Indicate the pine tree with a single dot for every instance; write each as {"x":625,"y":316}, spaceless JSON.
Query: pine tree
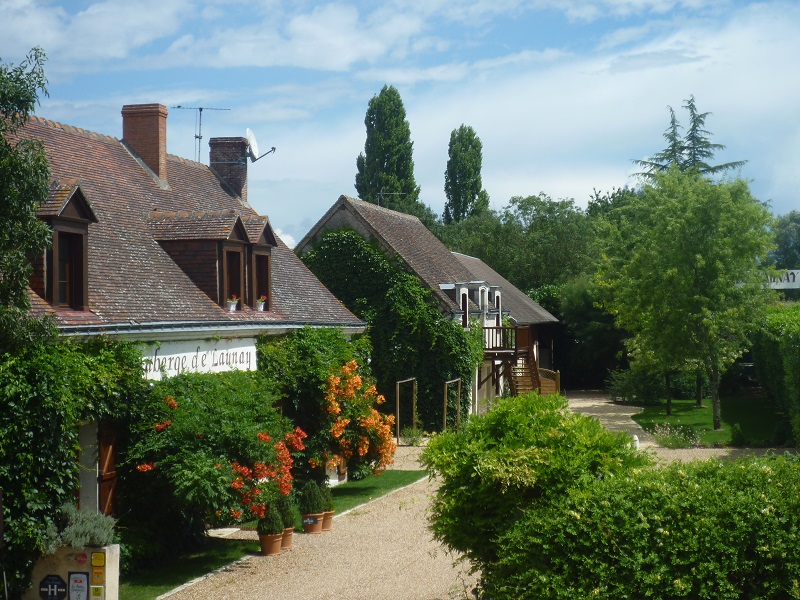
{"x":690,"y":152}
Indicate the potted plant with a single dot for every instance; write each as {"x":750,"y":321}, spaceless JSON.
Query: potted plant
{"x":287,"y":508}
{"x":327,"y":506}
{"x":233,"y":302}
{"x":261,"y":302}
{"x":270,"y":532}
{"x":311,"y":507}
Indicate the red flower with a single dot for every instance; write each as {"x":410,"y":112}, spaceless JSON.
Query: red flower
{"x":145,"y":467}
{"x":170,"y":401}
{"x":264,"y":436}
{"x":163,"y":425}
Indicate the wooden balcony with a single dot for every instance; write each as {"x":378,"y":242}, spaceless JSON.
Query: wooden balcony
{"x":508,"y":342}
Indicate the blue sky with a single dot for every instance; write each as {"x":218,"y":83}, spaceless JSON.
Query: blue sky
{"x":563,"y":93}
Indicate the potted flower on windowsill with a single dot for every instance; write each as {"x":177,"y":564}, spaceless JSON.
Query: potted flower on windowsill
{"x":270,"y":532}
{"x":261,"y":303}
{"x":311,"y":504}
{"x":233,"y":302}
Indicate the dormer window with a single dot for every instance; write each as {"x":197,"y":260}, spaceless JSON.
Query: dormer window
{"x":233,"y":274}
{"x":66,"y":280}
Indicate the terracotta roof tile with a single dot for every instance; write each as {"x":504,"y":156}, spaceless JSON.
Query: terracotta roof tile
{"x":132,"y":279}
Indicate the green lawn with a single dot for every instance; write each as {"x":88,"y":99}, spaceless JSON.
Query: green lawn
{"x":220,"y":552}
{"x":756,"y":418}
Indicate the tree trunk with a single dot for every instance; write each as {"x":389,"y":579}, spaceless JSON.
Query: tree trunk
{"x":715,"y":398}
{"x":698,"y":390}
{"x":668,"y":381}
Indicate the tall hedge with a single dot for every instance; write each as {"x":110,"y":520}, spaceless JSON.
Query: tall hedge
{"x":716,"y":530}
{"x":46,"y":392}
{"x":776,"y":354}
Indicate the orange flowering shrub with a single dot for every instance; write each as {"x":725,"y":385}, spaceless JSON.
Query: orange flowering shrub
{"x":214,"y":456}
{"x":359,"y":434}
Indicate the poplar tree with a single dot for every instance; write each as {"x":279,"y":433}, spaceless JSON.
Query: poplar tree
{"x":24,"y":180}
{"x":462,"y":178}
{"x":385,"y":170}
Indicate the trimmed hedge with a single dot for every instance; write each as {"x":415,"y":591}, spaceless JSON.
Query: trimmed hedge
{"x":716,"y":530}
{"x":518,"y":458}
{"x":776,"y":354}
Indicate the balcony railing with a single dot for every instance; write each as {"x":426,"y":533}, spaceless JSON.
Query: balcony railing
{"x":506,"y":339}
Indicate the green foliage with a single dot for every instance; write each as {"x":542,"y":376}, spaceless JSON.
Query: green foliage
{"x":462,"y":178}
{"x":46,"y":392}
{"x":79,"y":529}
{"x":776,"y":354}
{"x":787,"y":241}
{"x":636,"y":385}
{"x":385,"y":170}
{"x":713,"y":529}
{"x":687,"y":153}
{"x":287,"y":509}
{"x":208,"y":449}
{"x":24,"y":180}
{"x":271,"y":523}
{"x":410,"y":336}
{"x":327,"y":497}
{"x":682,"y":273}
{"x":311,"y":501}
{"x":519,"y":457}
{"x":675,"y":436}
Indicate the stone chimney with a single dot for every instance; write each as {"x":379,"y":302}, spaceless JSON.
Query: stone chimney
{"x":144,"y":130}
{"x":227,"y":157}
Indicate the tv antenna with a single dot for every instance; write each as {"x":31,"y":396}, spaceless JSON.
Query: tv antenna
{"x":252,"y":147}
{"x":198,"y":122}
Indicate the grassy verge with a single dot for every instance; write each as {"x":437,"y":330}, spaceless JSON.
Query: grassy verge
{"x":750,"y":418}
{"x":220,"y":552}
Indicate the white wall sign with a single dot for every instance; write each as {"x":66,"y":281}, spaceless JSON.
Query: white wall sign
{"x":200,"y":356}
{"x":786,"y":280}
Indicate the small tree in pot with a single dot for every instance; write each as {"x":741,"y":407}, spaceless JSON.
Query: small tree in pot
{"x":311,"y":507}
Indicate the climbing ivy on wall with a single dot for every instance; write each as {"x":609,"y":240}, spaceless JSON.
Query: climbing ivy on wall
{"x":46,"y":392}
{"x":410,"y":335}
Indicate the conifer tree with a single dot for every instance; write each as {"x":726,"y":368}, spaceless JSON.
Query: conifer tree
{"x":462,"y":179}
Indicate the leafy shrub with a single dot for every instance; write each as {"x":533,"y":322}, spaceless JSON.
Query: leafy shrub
{"x":637,"y":386}
{"x":412,"y":436}
{"x":212,"y":449}
{"x":79,"y":529}
{"x":519,"y":457}
{"x":46,"y":392}
{"x":776,"y":354}
{"x":271,"y":523}
{"x":707,"y":530}
{"x":311,"y":500}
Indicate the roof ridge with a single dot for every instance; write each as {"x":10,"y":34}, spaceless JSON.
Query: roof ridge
{"x":72,"y":129}
{"x":373,"y":206}
{"x":186,"y":161}
{"x":186,"y":214}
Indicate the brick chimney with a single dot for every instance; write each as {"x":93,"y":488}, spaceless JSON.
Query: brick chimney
{"x":144,"y":130}
{"x":227,"y":157}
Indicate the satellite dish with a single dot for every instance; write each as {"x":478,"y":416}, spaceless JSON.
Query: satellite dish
{"x":252,"y":149}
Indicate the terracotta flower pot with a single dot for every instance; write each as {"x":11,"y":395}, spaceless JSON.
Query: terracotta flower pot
{"x":286,"y":540}
{"x":312,"y":523}
{"x":327,"y":520}
{"x":270,"y":543}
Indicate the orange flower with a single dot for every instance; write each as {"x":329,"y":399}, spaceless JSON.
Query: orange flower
{"x":163,"y":425}
{"x":145,"y":467}
{"x":170,"y":401}
{"x":264,"y":436}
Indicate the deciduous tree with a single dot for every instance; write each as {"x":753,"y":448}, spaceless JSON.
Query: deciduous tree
{"x":462,"y":178}
{"x":682,"y":272}
{"x":24,"y":179}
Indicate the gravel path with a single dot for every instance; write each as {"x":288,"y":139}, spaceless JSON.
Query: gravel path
{"x":383,"y":550}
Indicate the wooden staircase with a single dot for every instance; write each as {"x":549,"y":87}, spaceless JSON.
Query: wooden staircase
{"x":524,"y":378}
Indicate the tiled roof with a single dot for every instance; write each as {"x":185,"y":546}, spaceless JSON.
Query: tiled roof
{"x":521,"y":308}
{"x":133,"y":282}
{"x":403,"y":236}
{"x":213,"y":225}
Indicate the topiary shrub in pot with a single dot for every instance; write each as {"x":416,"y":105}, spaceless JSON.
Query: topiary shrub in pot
{"x":270,"y":532}
{"x":311,"y":507}
{"x":287,"y":508}
{"x":327,"y":506}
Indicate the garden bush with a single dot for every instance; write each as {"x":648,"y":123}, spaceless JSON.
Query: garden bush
{"x":635,"y":385}
{"x":517,"y":458}
{"x":211,"y":450}
{"x":46,"y":392}
{"x":776,"y":354}
{"x":715,"y":530}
